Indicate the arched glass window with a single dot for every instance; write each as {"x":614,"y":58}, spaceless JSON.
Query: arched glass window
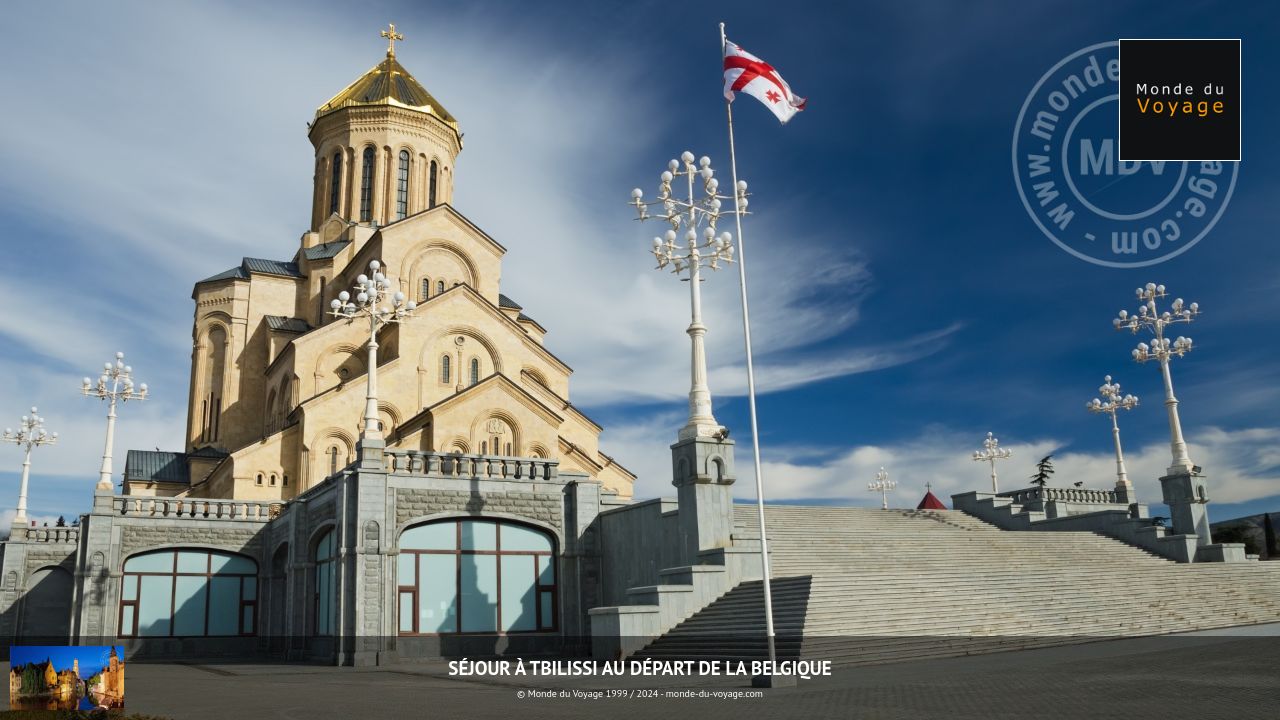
{"x":431,"y":185}
{"x":426,"y":290}
{"x":333,"y":459}
{"x":366,"y":186}
{"x":188,"y":593}
{"x":476,"y":576}
{"x":335,"y":182}
{"x":439,"y":286}
{"x":273,"y":479}
{"x":475,"y":371}
{"x":259,"y":479}
{"x":444,"y":369}
{"x":323,"y":558}
{"x":402,"y":186}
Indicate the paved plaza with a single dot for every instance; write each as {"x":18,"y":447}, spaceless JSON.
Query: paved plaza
{"x":1208,"y":675}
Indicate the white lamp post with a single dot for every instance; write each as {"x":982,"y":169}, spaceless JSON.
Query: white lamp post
{"x":371,"y":293}
{"x":115,"y":383}
{"x":1110,"y":403}
{"x":30,"y":433}
{"x":883,"y":485}
{"x":991,"y":452}
{"x":1160,"y":349}
{"x":702,"y":247}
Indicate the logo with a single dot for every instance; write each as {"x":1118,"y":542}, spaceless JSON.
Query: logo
{"x":1080,"y":194}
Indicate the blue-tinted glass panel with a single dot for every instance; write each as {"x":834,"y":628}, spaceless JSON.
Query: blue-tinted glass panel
{"x":154,"y":598}
{"x":234,"y":564}
{"x":479,"y":592}
{"x":479,"y":535}
{"x":436,"y":536}
{"x":130,"y":587}
{"x":150,"y":562}
{"x":246,"y":619}
{"x":189,"y":596}
{"x":324,"y":610}
{"x":193,"y":562}
{"x":406,"y":612}
{"x":519,"y":602}
{"x":521,"y":538}
{"x":224,"y":605}
{"x":404,"y":569}
{"x":126,"y":621}
{"x":250,"y":588}
{"x":438,"y":593}
{"x":548,"y":611}
{"x":547,"y":569}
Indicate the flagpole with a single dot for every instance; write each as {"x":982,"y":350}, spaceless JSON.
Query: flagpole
{"x":751,"y":377}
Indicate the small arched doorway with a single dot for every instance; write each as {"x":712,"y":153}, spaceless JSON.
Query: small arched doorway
{"x":46,"y":606}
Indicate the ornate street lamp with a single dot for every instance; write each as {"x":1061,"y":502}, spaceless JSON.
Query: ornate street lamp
{"x":697,"y":214}
{"x":1110,"y":403}
{"x":115,"y":383}
{"x":371,"y":293}
{"x":1160,"y":349}
{"x":31,"y":433}
{"x":883,"y":485}
{"x":991,"y":452}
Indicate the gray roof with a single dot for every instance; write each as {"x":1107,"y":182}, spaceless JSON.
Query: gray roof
{"x":208,"y":451}
{"x":156,"y":466}
{"x":256,"y":265}
{"x":271,"y":267}
{"x":506,"y":302}
{"x":235,"y":273}
{"x":287,"y":324}
{"x":323,"y":251}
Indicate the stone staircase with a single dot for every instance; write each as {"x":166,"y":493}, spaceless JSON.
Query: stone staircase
{"x":864,"y":586}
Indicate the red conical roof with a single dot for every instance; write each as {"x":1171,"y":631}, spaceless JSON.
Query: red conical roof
{"x":931,"y":502}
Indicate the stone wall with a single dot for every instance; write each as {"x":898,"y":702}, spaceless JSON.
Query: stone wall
{"x":542,"y":506}
{"x":134,"y":538}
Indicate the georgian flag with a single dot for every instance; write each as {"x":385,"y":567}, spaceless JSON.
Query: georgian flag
{"x":744,"y":72}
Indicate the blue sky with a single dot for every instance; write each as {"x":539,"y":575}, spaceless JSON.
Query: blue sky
{"x":904,"y":302}
{"x":92,"y":658}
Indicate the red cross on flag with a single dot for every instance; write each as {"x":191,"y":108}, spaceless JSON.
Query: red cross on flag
{"x":744,"y":72}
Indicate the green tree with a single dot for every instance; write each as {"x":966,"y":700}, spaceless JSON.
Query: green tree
{"x":1044,"y":469}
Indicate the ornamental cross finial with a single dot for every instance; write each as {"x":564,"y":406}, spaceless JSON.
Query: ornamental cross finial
{"x":392,"y":36}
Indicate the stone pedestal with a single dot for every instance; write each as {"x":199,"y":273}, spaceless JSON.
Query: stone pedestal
{"x":702,"y":468}
{"x":1187,"y":496}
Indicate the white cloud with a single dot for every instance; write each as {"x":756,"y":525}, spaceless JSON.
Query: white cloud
{"x":1241,"y":465}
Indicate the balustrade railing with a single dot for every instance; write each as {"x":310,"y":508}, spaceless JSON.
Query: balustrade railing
{"x":199,"y":508}
{"x":485,"y":467}
{"x":53,"y":534}
{"x":1083,"y":496}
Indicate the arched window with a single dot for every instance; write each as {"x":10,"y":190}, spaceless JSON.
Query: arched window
{"x":444,"y":369}
{"x":323,"y":558}
{"x":259,"y":480}
{"x":509,"y":453}
{"x":476,"y":576}
{"x":426,"y":290}
{"x":333,"y":459}
{"x":484,"y":447}
{"x":273,"y":479}
{"x":431,"y":185}
{"x":366,"y":186}
{"x":475,"y":371}
{"x":284,"y":481}
{"x":402,"y":186}
{"x":215,"y":361}
{"x":439,"y":286}
{"x":336,"y":182}
{"x":188,"y":593}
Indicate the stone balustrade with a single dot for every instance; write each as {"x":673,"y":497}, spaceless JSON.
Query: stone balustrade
{"x":69,"y":535}
{"x":199,"y":508}
{"x":484,"y":467}
{"x":1084,"y":496}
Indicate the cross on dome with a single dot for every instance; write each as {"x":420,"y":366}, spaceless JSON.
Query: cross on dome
{"x":392,"y":36}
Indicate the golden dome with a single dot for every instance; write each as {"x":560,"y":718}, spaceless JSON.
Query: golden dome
{"x":388,"y":83}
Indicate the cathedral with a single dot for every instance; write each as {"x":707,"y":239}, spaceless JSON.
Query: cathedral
{"x":278,"y":384}
{"x":479,"y":516}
